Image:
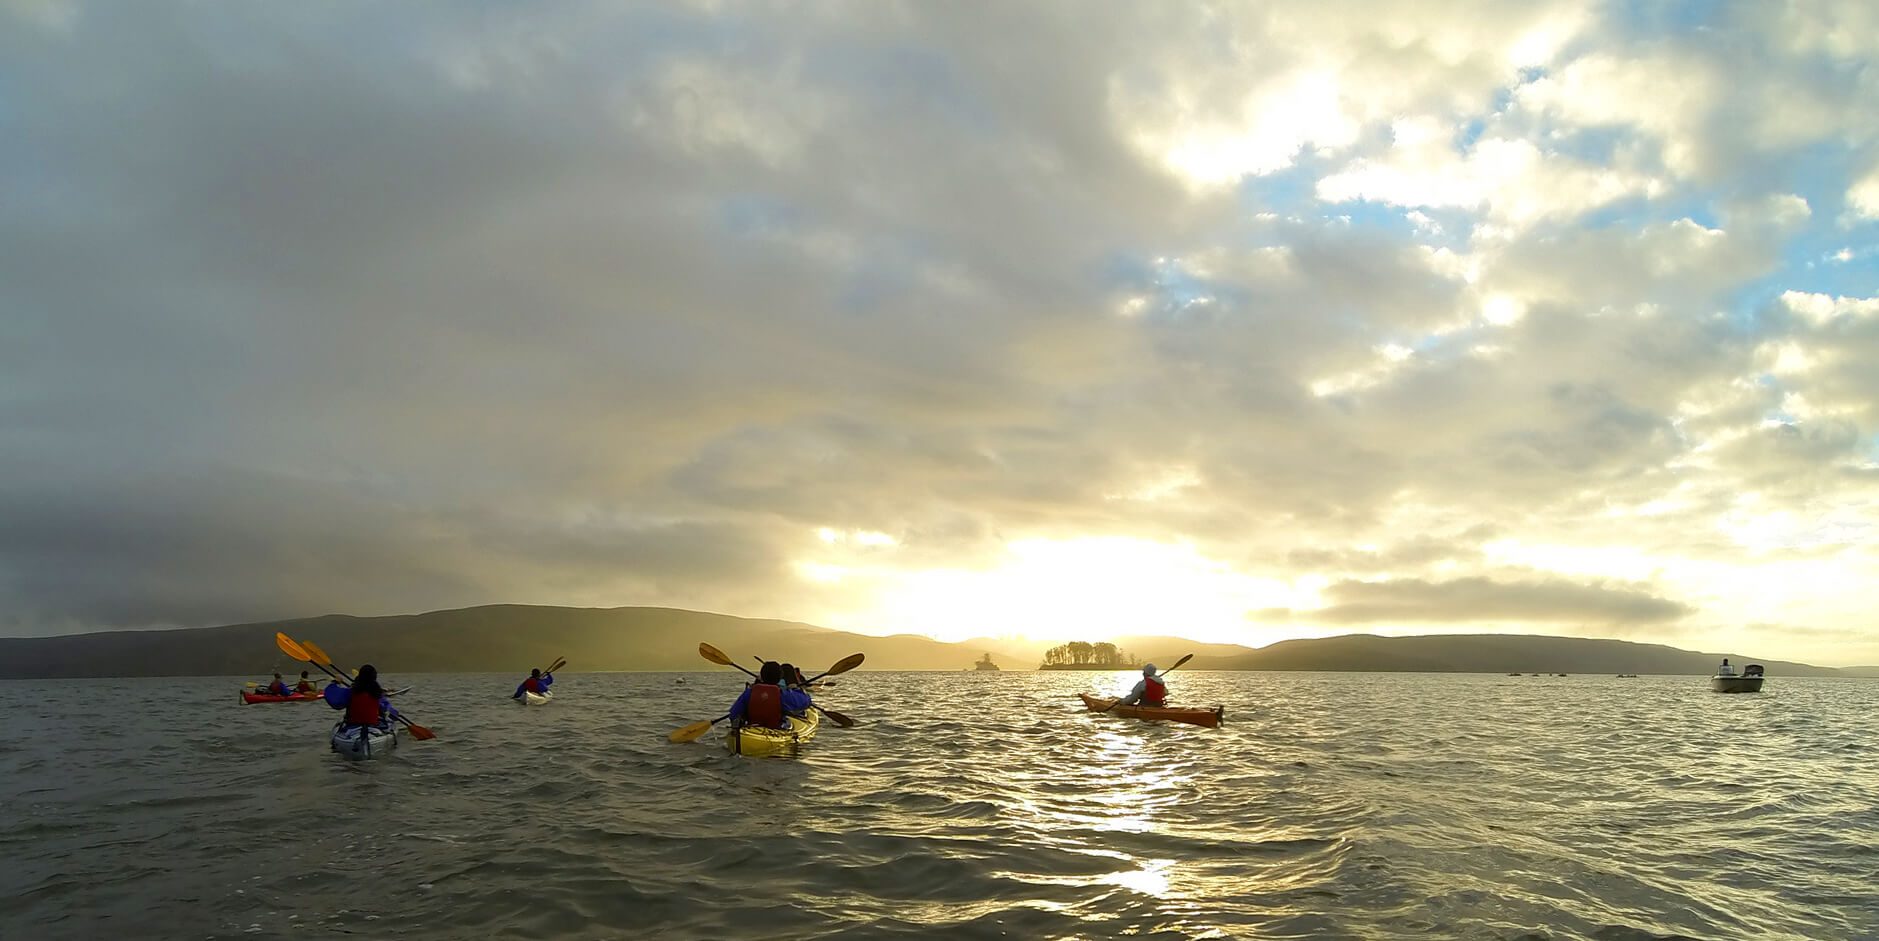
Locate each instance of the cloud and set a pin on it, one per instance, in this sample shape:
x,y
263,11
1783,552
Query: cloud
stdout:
x,y
1480,599
623,305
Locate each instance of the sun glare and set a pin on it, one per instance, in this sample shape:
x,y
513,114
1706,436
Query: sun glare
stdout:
x,y
1092,588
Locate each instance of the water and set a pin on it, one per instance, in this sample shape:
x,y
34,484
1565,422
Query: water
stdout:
x,y
962,806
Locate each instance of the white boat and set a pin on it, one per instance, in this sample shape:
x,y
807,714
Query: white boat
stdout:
x,y
360,743
535,699
1750,681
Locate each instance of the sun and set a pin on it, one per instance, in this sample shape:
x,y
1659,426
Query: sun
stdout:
x,y
1093,588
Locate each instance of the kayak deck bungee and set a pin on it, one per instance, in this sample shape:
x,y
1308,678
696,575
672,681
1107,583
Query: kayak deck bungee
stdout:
x,y
359,743
250,697
757,740
1207,718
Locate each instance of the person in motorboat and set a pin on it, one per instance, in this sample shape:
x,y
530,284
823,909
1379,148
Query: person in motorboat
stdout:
x,y
1725,669
305,685
277,688
537,683
767,702
365,702
1150,690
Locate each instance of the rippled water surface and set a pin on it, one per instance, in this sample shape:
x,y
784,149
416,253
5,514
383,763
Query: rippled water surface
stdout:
x,y
961,805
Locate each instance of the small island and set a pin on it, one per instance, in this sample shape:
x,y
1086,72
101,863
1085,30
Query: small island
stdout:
x,y
985,663
1078,655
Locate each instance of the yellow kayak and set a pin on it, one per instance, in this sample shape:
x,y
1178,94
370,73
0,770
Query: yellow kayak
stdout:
x,y
757,740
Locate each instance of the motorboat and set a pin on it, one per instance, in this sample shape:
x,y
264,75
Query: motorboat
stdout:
x,y
1750,680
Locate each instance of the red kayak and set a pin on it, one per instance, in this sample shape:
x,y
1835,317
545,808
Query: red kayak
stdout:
x,y
1209,718
251,697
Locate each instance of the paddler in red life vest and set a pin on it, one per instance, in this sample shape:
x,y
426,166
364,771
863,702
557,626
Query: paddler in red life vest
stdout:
x,y
365,702
766,703
305,685
537,683
1152,690
277,688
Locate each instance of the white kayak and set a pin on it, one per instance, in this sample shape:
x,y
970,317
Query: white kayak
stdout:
x,y
535,699
359,743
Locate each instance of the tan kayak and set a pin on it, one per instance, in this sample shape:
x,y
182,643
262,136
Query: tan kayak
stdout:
x,y
1208,718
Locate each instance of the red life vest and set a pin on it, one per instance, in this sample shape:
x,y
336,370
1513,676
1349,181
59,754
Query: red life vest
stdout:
x,y
532,685
362,709
765,706
1154,691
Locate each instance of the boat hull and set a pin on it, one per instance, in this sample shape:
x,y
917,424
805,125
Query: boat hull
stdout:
x,y
1206,718
755,740
1735,684
249,698
360,744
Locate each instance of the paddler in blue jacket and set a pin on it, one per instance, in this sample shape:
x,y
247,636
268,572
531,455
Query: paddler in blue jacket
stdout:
x,y
365,702
278,687
795,699
537,683
766,702
1150,690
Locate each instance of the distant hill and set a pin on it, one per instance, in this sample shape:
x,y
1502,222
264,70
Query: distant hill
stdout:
x,y
493,638
1490,653
500,638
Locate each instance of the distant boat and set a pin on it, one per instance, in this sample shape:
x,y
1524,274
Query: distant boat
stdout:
x,y
1514,674
1631,676
1749,682
985,663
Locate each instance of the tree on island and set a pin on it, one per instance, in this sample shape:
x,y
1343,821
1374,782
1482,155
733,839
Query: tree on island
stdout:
x,y
1081,654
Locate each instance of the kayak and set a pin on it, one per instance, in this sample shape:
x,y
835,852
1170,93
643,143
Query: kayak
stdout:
x,y
535,699
1192,716
757,740
359,743
251,697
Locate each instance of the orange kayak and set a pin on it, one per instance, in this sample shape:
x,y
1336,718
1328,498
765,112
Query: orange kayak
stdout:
x,y
251,698
1208,718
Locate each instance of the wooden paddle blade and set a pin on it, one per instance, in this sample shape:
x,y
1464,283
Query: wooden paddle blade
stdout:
x,y
841,720
714,655
290,648
690,733
845,664
1180,661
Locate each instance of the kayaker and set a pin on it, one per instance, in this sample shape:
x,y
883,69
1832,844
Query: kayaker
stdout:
x,y
364,702
305,685
278,687
796,700
1151,690
537,683
765,702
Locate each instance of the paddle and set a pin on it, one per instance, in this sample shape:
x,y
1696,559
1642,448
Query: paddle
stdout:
x,y
311,653
695,730
717,656
1177,666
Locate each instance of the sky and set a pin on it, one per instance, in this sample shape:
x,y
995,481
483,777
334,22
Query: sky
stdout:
x,y
1240,322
